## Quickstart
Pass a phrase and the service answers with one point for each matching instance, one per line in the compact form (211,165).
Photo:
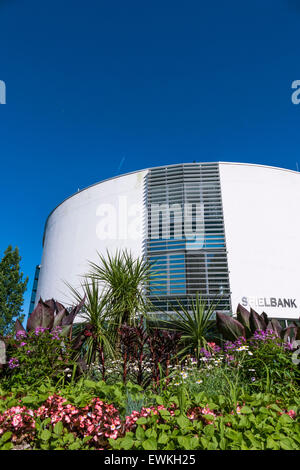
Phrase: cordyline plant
(247,323)
(94,336)
(194,324)
(115,296)
(123,279)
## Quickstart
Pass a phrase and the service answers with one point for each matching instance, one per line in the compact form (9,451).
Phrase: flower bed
(259,423)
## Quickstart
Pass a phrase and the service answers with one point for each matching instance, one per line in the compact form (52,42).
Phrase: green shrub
(37,355)
(258,424)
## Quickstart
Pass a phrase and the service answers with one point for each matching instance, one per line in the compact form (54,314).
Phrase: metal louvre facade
(181,267)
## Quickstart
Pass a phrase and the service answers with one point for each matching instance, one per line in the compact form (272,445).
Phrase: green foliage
(56,437)
(12,288)
(94,336)
(258,425)
(126,397)
(135,400)
(114,295)
(123,279)
(271,369)
(36,356)
(242,397)
(194,325)
(259,422)
(5,441)
(220,380)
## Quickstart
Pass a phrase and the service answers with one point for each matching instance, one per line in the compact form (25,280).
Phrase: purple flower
(289,346)
(20,334)
(266,335)
(229,346)
(205,352)
(13,363)
(39,330)
(239,342)
(229,358)
(56,332)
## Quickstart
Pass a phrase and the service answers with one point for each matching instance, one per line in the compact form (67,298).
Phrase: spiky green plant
(95,332)
(123,279)
(194,324)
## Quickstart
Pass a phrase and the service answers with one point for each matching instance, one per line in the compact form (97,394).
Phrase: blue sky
(99,88)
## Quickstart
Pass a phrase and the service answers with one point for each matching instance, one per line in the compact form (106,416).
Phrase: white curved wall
(262,227)
(90,221)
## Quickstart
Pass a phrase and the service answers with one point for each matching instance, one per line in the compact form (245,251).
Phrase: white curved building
(214,228)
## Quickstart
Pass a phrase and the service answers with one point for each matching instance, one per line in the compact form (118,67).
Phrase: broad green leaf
(127,443)
(7,446)
(182,421)
(275,407)
(140,433)
(45,435)
(285,419)
(246,410)
(271,444)
(5,437)
(187,442)
(159,400)
(222,443)
(209,430)
(70,438)
(288,444)
(58,428)
(204,442)
(141,420)
(150,444)
(75,445)
(29,400)
(151,433)
(163,438)
(212,446)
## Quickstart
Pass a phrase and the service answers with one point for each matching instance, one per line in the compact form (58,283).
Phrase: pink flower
(17,420)
(292,414)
